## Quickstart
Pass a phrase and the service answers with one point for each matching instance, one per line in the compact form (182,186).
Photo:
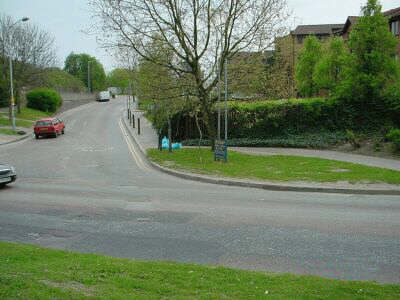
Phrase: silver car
(7,174)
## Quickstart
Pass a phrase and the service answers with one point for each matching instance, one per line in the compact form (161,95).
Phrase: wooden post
(138,126)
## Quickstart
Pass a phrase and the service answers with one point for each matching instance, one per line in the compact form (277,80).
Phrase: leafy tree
(372,65)
(202,35)
(31,50)
(120,78)
(328,71)
(62,81)
(158,88)
(77,65)
(306,63)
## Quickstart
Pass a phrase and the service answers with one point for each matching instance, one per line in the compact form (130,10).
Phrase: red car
(49,126)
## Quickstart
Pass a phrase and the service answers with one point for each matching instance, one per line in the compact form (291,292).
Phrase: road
(91,191)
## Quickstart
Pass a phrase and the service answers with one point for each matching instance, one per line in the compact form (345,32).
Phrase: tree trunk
(209,122)
(169,136)
(18,100)
(159,141)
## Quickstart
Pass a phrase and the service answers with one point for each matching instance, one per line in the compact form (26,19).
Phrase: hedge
(294,117)
(317,140)
(44,99)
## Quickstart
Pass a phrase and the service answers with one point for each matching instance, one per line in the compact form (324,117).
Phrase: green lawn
(8,131)
(29,114)
(4,121)
(273,167)
(29,272)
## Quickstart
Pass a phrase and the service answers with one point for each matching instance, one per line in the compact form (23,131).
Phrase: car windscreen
(43,123)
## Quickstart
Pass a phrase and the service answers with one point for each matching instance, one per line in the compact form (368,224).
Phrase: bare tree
(202,34)
(31,49)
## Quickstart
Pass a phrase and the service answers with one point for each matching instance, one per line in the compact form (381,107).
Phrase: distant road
(90,191)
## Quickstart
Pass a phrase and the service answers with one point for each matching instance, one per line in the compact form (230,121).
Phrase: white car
(104,96)
(7,174)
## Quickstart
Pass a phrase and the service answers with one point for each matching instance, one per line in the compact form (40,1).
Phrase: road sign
(220,151)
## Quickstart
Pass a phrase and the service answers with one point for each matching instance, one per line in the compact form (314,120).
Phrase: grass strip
(30,114)
(273,167)
(19,123)
(30,272)
(8,131)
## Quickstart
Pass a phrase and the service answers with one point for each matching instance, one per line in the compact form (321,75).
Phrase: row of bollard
(131,118)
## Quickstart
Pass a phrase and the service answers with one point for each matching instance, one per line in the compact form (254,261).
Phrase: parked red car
(49,126)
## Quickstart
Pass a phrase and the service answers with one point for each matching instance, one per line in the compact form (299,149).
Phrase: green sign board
(221,151)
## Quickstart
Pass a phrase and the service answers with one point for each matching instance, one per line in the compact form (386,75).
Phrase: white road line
(132,149)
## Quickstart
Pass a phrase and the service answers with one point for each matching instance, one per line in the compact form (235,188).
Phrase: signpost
(220,151)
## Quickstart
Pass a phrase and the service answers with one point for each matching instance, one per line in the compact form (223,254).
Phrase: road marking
(135,154)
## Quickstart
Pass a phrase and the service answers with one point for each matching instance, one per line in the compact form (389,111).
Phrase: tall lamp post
(11,79)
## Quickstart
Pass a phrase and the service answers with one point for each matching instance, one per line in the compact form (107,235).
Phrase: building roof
(320,29)
(351,20)
(395,12)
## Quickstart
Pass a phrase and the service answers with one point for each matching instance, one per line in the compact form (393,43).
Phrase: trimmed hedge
(294,117)
(319,140)
(394,136)
(44,99)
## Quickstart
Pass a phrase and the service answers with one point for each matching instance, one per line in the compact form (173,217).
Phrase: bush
(353,139)
(319,140)
(394,136)
(44,99)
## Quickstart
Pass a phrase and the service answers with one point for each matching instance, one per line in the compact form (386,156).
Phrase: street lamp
(24,19)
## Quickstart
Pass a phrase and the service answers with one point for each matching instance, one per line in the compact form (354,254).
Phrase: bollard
(128,113)
(138,126)
(133,121)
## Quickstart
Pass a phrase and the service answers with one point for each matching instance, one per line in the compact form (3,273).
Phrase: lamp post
(11,79)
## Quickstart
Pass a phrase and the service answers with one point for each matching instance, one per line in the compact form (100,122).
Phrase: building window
(395,27)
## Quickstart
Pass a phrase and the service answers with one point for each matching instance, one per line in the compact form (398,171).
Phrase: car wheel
(36,136)
(2,185)
(63,131)
(55,134)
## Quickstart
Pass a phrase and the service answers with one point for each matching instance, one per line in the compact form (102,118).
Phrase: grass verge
(29,114)
(273,167)
(4,121)
(8,131)
(29,272)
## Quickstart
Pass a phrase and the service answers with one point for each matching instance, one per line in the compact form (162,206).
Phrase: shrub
(44,99)
(394,137)
(353,139)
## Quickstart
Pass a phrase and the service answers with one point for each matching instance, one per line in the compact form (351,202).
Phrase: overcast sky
(66,19)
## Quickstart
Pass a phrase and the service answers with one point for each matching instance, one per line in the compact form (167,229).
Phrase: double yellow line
(136,156)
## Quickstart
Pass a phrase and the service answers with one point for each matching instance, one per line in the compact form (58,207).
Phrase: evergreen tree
(372,65)
(328,71)
(306,63)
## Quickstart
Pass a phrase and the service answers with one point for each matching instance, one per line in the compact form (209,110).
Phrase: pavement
(148,139)
(90,190)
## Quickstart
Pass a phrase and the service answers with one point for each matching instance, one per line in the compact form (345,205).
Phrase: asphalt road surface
(90,191)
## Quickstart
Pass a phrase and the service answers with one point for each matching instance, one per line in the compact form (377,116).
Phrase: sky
(66,20)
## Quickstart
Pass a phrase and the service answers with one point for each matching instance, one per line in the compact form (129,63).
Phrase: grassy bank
(25,118)
(28,272)
(274,167)
(4,121)
(7,131)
